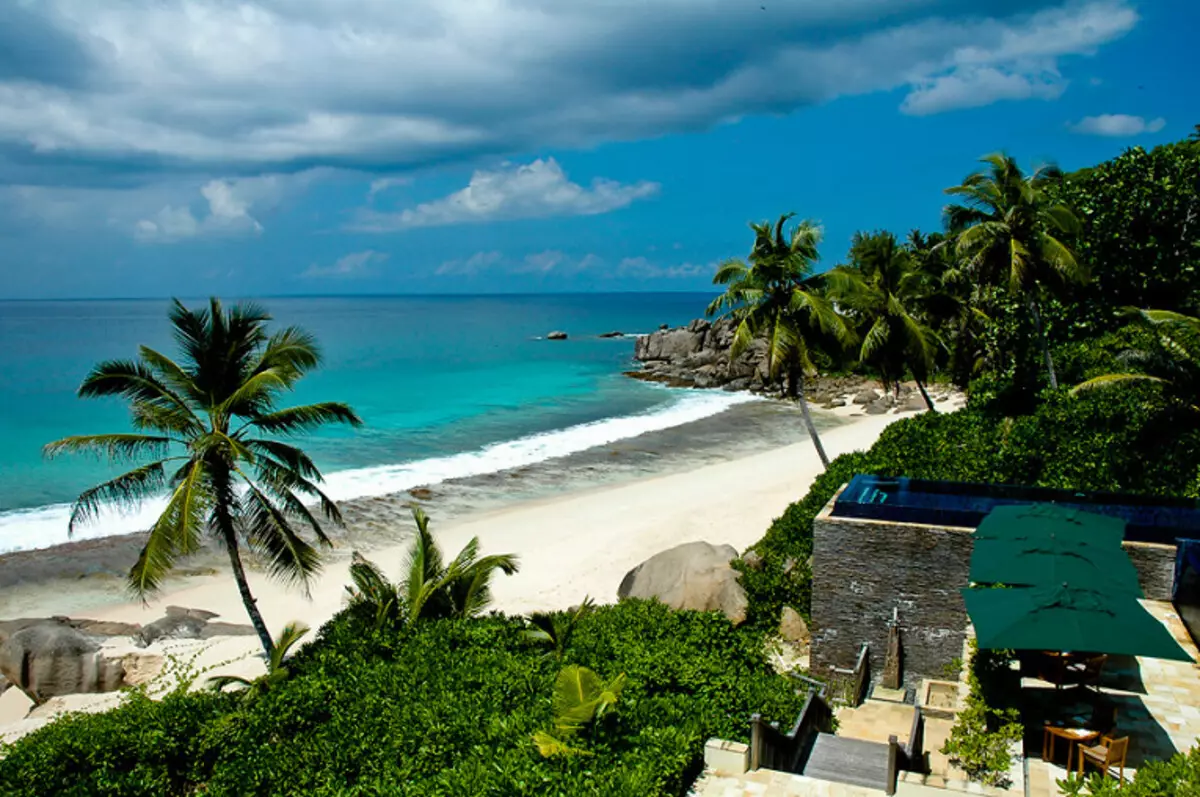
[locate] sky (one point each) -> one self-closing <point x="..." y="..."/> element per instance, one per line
<point x="151" y="148"/>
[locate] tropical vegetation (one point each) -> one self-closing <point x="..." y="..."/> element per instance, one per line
<point x="210" y="426"/>
<point x="431" y="590"/>
<point x="774" y="296"/>
<point x="450" y="706"/>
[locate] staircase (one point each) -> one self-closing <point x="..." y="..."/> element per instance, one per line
<point x="844" y="760"/>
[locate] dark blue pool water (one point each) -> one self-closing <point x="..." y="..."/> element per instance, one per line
<point x="964" y="504"/>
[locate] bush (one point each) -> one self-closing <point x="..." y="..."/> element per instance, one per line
<point x="448" y="707"/>
<point x="1179" y="776"/>
<point x="783" y="577"/>
<point x="988" y="726"/>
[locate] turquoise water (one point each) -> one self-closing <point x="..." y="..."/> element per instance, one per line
<point x="447" y="386"/>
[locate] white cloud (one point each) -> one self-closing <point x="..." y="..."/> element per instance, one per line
<point x="536" y="190"/>
<point x="386" y="184"/>
<point x="1117" y="125"/>
<point x="642" y="268"/>
<point x="228" y="209"/>
<point x="971" y="87"/>
<point x="480" y="261"/>
<point x="355" y="264"/>
<point x="222" y="88"/>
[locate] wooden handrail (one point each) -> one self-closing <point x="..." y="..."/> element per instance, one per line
<point x="771" y="748"/>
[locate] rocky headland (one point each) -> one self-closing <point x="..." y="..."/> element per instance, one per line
<point x="697" y="355"/>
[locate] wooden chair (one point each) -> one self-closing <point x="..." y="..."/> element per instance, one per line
<point x="1104" y="756"/>
<point x="1085" y="672"/>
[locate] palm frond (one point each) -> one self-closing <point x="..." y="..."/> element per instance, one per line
<point x="289" y="636"/>
<point x="177" y="531"/>
<point x="307" y="418"/>
<point x="269" y="531"/>
<point x="116" y="447"/>
<point x="126" y="491"/>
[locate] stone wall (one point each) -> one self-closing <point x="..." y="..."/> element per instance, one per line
<point x="1155" y="565"/>
<point x="865" y="569"/>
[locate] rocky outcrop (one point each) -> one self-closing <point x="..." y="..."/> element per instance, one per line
<point x="695" y="575"/>
<point x="697" y="355"/>
<point x="183" y="623"/>
<point x="46" y="661"/>
<point x="556" y="335"/>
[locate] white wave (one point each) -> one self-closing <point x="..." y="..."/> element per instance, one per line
<point x="45" y="526"/>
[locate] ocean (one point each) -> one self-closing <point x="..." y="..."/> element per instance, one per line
<point x="453" y="391"/>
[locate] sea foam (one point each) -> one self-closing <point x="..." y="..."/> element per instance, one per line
<point x="46" y="526"/>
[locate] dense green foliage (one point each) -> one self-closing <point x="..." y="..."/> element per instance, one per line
<point x="1179" y="776"/>
<point x="444" y="707"/>
<point x="1141" y="233"/>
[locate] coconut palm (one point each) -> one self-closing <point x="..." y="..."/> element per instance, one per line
<point x="430" y="590"/>
<point x="210" y="425"/>
<point x="882" y="288"/>
<point x="1174" y="363"/>
<point x="1006" y="234"/>
<point x="774" y="296"/>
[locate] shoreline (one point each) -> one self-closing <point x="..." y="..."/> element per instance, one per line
<point x="573" y="541"/>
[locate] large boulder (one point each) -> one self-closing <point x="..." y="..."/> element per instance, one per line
<point x="556" y="335"/>
<point x="695" y="575"/>
<point x="46" y="661"/>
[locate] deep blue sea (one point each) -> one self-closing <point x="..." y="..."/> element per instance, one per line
<point x="448" y="387"/>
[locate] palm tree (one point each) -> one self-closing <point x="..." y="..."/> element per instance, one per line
<point x="883" y="288"/>
<point x="774" y="296"/>
<point x="211" y="425"/>
<point x="431" y="590"/>
<point x="951" y="306"/>
<point x="1174" y="363"/>
<point x="555" y="629"/>
<point x="1006" y="233"/>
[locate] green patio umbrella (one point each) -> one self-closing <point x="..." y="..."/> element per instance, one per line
<point x="1059" y="618"/>
<point x="1051" y="561"/>
<point x="1051" y="521"/>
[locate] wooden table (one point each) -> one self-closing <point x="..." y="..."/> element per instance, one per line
<point x="1074" y="736"/>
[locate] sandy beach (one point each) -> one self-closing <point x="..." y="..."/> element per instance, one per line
<point x="575" y="544"/>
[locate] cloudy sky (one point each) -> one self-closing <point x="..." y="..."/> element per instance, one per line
<point x="274" y="147"/>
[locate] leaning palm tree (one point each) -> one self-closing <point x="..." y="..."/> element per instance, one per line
<point x="1007" y="234"/>
<point x="210" y="425"/>
<point x="431" y="590"/>
<point x="775" y="297"/>
<point x="883" y="288"/>
<point x="1174" y="363"/>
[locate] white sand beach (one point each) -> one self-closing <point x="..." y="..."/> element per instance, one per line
<point x="574" y="545"/>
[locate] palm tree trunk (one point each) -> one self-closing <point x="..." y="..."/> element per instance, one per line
<point x="925" y="395"/>
<point x="808" y="421"/>
<point x="224" y="492"/>
<point x="1041" y="333"/>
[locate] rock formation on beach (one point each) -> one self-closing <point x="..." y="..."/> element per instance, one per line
<point x="47" y="657"/>
<point x="697" y="355"/>
<point x="695" y="575"/>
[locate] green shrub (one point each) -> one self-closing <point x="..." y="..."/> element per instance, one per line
<point x="988" y="725"/>
<point x="783" y="577"/>
<point x="1178" y="776"/>
<point x="445" y="708"/>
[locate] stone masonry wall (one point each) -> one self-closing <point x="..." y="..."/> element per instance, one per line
<point x="863" y="569"/>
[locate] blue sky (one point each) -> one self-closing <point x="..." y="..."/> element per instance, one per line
<point x="278" y="147"/>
